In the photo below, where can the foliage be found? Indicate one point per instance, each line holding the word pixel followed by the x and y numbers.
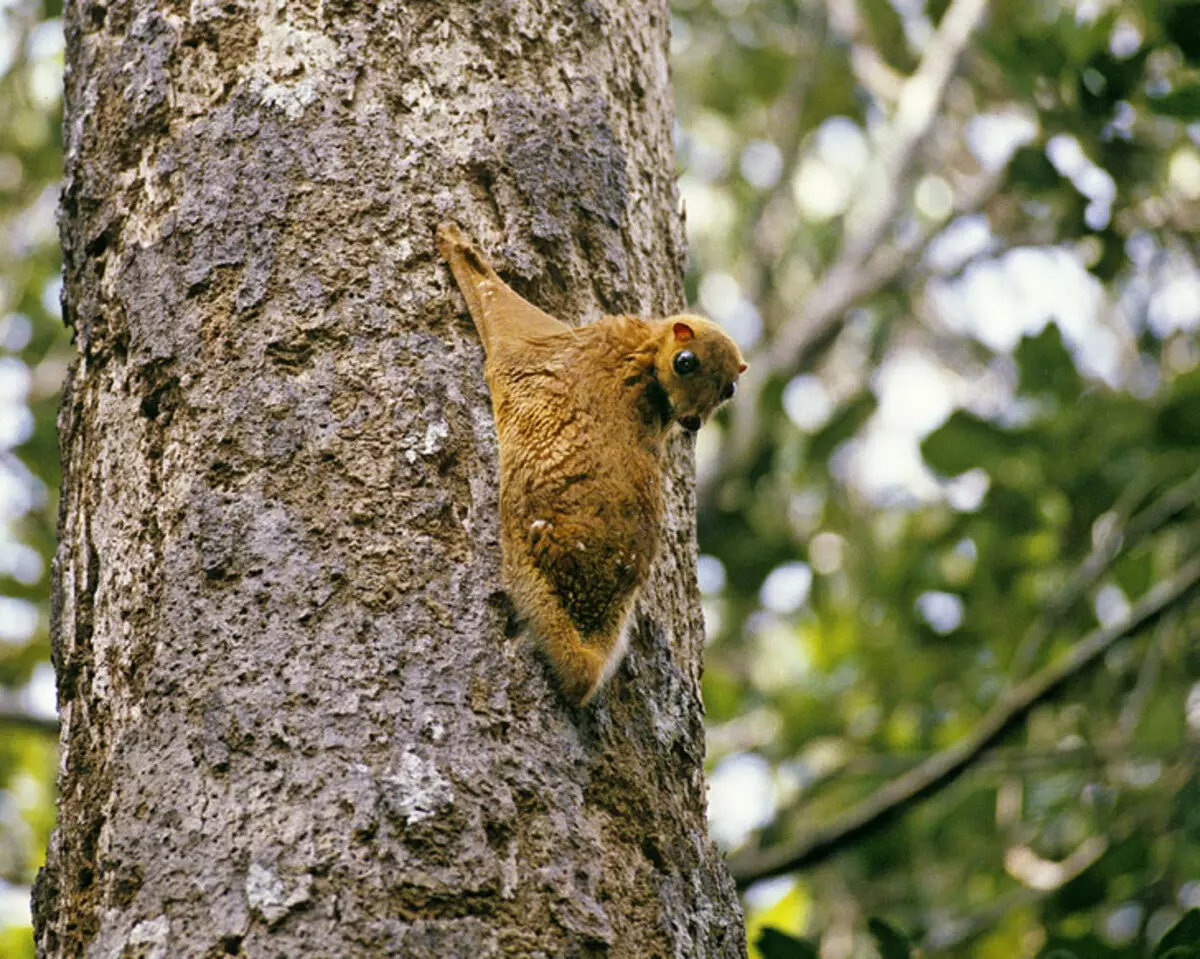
pixel 1182 941
pixel 965 473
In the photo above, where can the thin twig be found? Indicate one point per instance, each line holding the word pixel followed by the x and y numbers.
pixel 868 219
pixel 1139 697
pixel 1002 761
pixel 888 802
pixel 916 109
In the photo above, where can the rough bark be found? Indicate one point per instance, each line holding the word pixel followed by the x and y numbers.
pixel 297 719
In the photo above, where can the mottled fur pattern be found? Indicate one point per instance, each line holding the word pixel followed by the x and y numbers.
pixel 582 416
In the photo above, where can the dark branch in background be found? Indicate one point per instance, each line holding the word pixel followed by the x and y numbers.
pixel 888 802
pixel 1003 762
pixel 15 716
pixel 947 934
pixel 1124 535
pixel 863 267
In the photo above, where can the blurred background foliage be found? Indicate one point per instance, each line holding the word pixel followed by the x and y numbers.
pixel 957 241
pixel 963 265
pixel 34 349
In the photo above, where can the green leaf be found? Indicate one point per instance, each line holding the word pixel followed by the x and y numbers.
pixel 1106 79
pixel 774 944
pixel 1032 169
pixel 1112 257
pixel 1135 573
pixel 935 8
pixel 964 442
pixel 1179 417
pixel 1185 935
pixel 766 73
pixel 886 30
pixel 1046 367
pixel 833 90
pixel 892 943
pixel 16 942
pixel 1185 816
pixel 1087 946
pixel 1182 103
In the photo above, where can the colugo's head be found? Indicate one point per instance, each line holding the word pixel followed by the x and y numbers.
pixel 697 366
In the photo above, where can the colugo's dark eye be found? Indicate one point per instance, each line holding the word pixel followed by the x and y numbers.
pixel 686 362
pixel 727 393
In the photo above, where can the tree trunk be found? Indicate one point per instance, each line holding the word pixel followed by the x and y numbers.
pixel 297 719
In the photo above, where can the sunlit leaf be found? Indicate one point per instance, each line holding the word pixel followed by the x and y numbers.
pixel 965 442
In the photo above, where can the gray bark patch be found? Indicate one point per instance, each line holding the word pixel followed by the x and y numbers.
pixel 569 172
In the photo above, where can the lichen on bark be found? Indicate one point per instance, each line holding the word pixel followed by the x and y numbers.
pixel 296 716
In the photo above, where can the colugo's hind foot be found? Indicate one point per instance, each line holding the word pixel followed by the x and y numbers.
pixel 580 690
pixel 579 669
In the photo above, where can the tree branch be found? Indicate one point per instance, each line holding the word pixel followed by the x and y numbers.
pixel 888 802
pixel 917 107
pixel 820 319
pixel 1139 697
pixel 1123 535
pixel 1000 760
pixel 864 265
pixel 867 220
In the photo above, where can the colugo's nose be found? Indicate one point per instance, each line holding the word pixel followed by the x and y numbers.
pixel 691 423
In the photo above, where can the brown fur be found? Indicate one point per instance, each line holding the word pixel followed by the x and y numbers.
pixel 582 415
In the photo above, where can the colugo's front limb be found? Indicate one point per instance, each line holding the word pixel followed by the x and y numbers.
pixel 499 313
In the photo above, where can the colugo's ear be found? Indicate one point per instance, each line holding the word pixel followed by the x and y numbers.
pixel 743 367
pixel 683 332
